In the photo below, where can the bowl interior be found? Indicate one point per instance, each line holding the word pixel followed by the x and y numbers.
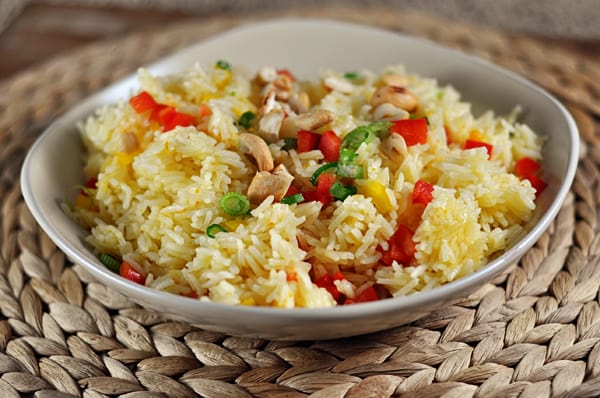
pixel 49 175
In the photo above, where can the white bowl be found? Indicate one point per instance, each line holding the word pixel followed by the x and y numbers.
pixel 53 165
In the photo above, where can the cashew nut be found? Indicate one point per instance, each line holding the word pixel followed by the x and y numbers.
pixel 265 184
pixel 314 119
pixel 394 146
pixel 338 84
pixel 400 97
pixel 389 112
pixel 256 147
pixel 265 75
pixel 394 79
pixel 269 102
pixel 300 102
pixel 269 125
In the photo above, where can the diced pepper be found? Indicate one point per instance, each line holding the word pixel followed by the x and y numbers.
pixel 143 102
pixel 422 192
pixel 402 248
pixel 322 169
pixel 538 184
pixel 127 271
pixel 329 145
pixel 414 131
pixel 377 192
pixel 324 182
pixel 326 282
pixel 369 294
pixel 204 110
pixel 307 141
pixel 526 167
pixel 166 116
pixel 470 144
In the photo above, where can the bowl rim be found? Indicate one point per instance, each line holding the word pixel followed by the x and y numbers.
pixel 483 275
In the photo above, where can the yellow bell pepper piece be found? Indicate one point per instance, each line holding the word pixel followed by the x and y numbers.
pixel 376 191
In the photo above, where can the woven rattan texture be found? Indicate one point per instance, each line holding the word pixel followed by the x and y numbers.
pixel 534 332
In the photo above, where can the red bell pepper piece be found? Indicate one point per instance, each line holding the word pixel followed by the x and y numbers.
pixel 422 192
pixel 143 102
pixel 127 271
pixel 414 131
pixel 470 144
pixel 90 184
pixel 326 282
pixel 329 145
pixel 526 167
pixel 369 294
pixel 402 248
pixel 307 141
pixel 169 118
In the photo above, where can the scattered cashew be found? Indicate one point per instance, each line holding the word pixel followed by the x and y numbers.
pixel 394 79
pixel 265 184
pixel 400 97
pixel 256 147
pixel 300 102
pixel 338 84
pixel 269 102
pixel 129 142
pixel 389 112
pixel 269 125
pixel 394 146
pixel 314 119
pixel 266 74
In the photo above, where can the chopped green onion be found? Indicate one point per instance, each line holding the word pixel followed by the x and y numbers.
pixel 440 95
pixel 351 75
pixel 340 191
pixel 232 93
pixel 290 200
pixel 246 119
pixel 355 138
pixel 350 170
pixel 347 156
pixel 223 65
pixel 110 262
pixel 214 229
pixel 289 143
pixel 321 170
pixel 235 204
pixel 365 134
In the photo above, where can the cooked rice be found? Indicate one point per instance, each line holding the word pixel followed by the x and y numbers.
pixel 155 204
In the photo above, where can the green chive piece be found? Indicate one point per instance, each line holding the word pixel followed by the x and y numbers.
pixel 341 191
pixel 214 229
pixel 223 65
pixel 110 262
pixel 321 170
pixel 246 119
pixel 235 204
pixel 440 95
pixel 347 156
pixel 350 170
pixel 290 200
pixel 289 143
pixel 361 134
pixel 351 75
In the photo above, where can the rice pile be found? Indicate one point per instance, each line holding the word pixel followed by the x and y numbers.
pixel 155 200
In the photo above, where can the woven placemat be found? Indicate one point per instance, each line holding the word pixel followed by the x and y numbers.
pixel 533 332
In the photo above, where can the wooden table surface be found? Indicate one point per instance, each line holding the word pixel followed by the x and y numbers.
pixel 43 31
